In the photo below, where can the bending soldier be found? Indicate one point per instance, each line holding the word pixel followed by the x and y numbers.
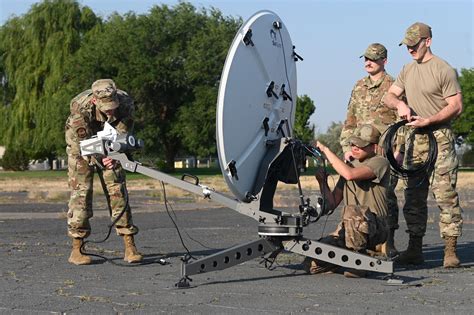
pixel 89 112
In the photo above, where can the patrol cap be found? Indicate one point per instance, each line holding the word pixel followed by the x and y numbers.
pixel 105 93
pixel 375 51
pixel 415 33
pixel 364 135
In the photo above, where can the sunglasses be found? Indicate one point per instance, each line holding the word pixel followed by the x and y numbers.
pixel 415 47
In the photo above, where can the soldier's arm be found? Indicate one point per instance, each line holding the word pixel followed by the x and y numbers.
pixel 346 171
pixel 332 199
pixel 392 100
pixel 449 112
pixel 76 130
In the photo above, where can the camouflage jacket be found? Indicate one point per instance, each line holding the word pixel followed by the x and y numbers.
pixel 85 120
pixel 366 107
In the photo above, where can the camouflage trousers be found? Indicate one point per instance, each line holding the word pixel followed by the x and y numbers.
pixel 392 203
pixel 443 184
pixel 359 230
pixel 81 176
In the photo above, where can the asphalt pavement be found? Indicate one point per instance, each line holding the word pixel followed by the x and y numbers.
pixel 37 279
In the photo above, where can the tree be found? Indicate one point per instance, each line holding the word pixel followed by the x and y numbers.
pixel 196 125
pixel 464 125
pixel 331 138
pixel 304 109
pixel 35 49
pixel 170 62
pixel 207 52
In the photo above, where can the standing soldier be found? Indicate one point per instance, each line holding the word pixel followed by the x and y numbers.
pixel 434 94
pixel 89 112
pixel 366 107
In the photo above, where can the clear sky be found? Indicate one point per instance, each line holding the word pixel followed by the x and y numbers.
pixel 331 35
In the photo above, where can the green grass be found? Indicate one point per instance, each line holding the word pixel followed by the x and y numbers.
pixel 199 172
pixel 33 174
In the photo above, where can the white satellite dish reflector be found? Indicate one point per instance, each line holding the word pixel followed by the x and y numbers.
pixel 257 99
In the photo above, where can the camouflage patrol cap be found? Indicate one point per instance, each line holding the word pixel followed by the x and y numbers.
pixel 415 33
pixel 105 93
pixel 364 135
pixel 375 51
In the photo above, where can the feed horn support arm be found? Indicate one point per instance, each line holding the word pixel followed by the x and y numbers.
pixel 248 209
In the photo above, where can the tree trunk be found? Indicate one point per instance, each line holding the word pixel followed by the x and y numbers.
pixel 170 154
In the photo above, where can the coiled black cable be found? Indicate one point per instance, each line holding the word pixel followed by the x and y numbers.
pixel 400 171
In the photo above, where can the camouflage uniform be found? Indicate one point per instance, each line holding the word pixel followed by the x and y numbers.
pixel 366 107
pixel 427 84
pixel 84 121
pixel 363 223
pixel 360 229
pixel 364 217
pixel 443 184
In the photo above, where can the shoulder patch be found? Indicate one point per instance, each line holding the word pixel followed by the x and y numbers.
pixel 81 132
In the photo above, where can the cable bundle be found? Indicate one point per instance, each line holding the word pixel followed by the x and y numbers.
pixel 399 170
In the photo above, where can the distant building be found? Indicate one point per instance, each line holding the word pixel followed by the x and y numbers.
pixel 192 162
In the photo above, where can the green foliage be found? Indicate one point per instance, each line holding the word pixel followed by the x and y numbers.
pixel 468 159
pixel 304 109
pixel 170 62
pixel 35 49
pixel 331 138
pixel 464 125
pixel 15 160
pixel 197 123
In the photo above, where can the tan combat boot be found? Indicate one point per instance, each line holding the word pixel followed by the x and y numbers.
pixel 76 257
pixel 414 253
pixel 313 266
pixel 131 253
pixel 451 260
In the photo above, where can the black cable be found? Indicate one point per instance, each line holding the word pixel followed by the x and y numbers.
pixel 398 170
pixel 167 206
pixel 297 174
pixel 111 225
pixel 185 232
pixel 286 73
pixel 174 223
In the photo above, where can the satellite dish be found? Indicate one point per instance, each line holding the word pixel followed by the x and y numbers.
pixel 256 102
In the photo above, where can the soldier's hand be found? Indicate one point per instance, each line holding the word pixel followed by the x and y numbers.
pixel 404 111
pixel 108 163
pixel 419 122
pixel 348 156
pixel 321 146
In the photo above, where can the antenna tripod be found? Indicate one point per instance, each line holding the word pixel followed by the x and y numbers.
pixel 277 230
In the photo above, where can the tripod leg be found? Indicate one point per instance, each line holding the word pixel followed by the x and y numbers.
pixel 229 257
pixel 338 256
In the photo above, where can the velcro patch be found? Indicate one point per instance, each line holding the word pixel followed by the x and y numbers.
pixel 81 132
